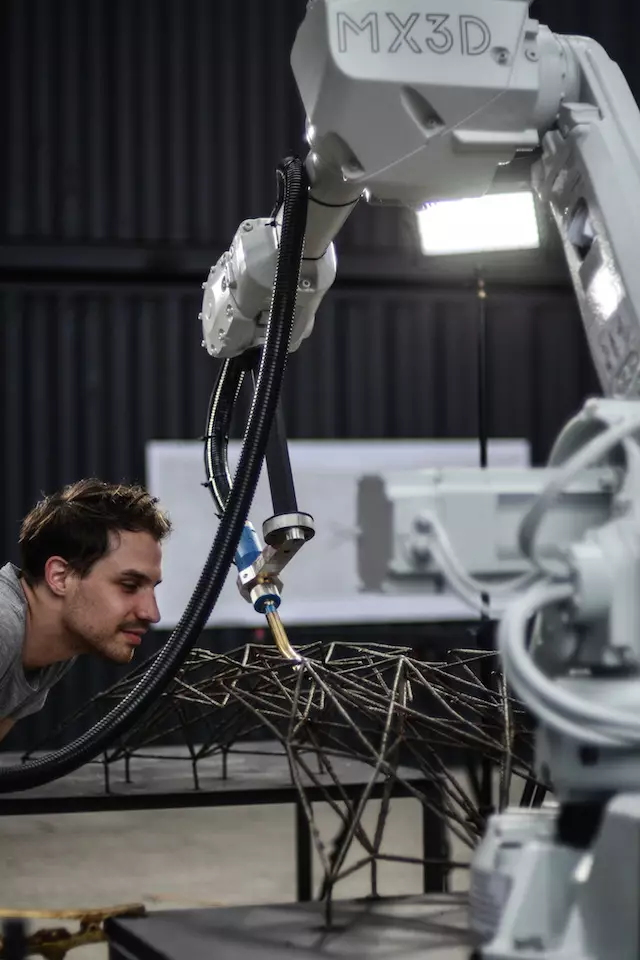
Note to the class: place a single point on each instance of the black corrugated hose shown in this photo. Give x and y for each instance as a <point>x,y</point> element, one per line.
<point>164,667</point>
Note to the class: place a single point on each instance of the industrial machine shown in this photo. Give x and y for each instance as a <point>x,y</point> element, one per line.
<point>412,103</point>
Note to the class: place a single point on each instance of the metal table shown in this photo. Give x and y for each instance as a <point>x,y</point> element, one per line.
<point>424,928</point>
<point>251,774</point>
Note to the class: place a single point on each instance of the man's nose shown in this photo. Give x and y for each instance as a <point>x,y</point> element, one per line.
<point>148,609</point>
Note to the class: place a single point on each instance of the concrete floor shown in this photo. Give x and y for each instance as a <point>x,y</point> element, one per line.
<point>176,859</point>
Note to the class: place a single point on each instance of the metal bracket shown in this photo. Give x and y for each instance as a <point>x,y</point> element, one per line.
<point>285,536</point>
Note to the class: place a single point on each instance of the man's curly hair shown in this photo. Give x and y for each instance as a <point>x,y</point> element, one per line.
<point>76,524</point>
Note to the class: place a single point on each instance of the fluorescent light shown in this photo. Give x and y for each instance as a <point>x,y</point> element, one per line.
<point>500,221</point>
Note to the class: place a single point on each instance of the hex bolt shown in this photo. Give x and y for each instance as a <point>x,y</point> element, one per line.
<point>423,525</point>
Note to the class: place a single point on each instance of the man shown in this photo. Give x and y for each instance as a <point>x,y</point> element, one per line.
<point>90,563</point>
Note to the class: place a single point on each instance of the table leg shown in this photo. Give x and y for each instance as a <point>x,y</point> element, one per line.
<point>304,859</point>
<point>435,846</point>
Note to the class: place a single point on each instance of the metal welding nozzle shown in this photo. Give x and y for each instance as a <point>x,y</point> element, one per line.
<point>279,633</point>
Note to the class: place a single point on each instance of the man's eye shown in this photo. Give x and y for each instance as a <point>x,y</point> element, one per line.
<point>130,587</point>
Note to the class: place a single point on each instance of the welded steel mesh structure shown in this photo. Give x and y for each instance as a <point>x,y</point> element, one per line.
<point>398,715</point>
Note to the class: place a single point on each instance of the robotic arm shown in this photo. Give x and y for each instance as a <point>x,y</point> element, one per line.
<point>410,103</point>
<point>409,106</point>
<point>403,106</point>
<point>237,292</point>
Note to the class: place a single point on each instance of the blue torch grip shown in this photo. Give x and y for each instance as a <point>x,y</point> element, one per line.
<point>249,548</point>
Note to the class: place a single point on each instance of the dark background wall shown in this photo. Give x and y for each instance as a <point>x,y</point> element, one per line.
<point>137,134</point>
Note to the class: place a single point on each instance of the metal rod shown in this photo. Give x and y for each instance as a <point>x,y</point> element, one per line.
<point>483,373</point>
<point>485,634</point>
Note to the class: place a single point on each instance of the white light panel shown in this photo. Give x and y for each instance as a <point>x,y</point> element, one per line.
<point>501,221</point>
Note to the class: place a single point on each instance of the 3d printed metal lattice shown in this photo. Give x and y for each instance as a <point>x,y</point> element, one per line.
<point>410,721</point>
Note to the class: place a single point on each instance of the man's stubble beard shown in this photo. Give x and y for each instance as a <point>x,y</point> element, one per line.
<point>109,649</point>
<point>105,647</point>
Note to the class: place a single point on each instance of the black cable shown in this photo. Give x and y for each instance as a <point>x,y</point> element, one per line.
<point>36,772</point>
<point>221,405</point>
<point>281,482</point>
<point>280,181</point>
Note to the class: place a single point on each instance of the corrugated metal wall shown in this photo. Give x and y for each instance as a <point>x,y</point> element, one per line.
<point>127,117</point>
<point>137,134</point>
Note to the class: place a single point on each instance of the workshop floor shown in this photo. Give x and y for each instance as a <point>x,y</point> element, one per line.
<point>175,859</point>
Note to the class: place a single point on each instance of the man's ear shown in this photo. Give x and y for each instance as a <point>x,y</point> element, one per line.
<point>56,575</point>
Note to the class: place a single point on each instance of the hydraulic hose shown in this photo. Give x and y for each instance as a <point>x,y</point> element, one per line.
<point>36,772</point>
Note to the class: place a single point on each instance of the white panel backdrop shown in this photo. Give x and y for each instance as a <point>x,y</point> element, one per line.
<point>321,584</point>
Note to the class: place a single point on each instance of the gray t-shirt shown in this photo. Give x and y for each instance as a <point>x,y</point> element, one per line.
<point>21,692</point>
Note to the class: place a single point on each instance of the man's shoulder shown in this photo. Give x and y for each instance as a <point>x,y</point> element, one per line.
<point>12,623</point>
<point>13,603</point>
<point>10,585</point>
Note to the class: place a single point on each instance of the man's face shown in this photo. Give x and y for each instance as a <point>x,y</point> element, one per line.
<point>109,609</point>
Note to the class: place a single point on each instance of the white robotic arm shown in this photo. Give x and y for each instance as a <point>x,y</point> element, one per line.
<point>403,106</point>
<point>409,106</point>
<point>237,292</point>
<point>416,106</point>
<point>409,103</point>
